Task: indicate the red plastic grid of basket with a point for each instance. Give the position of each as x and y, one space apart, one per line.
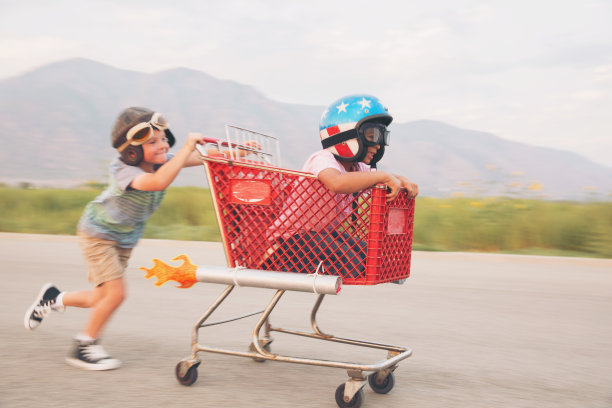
275 219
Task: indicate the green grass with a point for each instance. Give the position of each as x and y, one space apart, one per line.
44 211
185 213
514 226
458 224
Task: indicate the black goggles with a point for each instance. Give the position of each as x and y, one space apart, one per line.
373 134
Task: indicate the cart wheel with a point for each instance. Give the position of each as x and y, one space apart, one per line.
190 376
354 403
384 386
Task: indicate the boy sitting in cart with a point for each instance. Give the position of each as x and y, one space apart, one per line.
353 132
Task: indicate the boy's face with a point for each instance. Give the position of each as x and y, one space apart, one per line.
156 148
369 135
370 153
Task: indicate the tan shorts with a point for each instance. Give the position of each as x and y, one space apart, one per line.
106 261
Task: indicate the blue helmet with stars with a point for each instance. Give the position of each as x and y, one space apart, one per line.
340 124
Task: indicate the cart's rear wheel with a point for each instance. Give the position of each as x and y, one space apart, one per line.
190 376
354 403
381 387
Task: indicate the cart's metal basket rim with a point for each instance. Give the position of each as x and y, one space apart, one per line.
238 138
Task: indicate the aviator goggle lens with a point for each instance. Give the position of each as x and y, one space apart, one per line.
374 134
141 134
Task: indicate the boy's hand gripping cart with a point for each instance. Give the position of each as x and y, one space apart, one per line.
284 230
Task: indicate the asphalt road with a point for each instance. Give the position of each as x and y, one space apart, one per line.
486 330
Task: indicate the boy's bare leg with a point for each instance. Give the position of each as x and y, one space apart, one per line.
103 299
82 298
109 296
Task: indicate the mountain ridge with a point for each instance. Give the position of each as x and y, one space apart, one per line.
55 127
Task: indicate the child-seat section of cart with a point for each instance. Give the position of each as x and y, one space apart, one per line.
282 220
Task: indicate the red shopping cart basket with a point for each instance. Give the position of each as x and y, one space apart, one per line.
285 221
276 219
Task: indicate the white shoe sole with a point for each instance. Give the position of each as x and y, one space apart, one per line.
110 364
26 321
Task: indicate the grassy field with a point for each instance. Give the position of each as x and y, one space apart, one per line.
456 224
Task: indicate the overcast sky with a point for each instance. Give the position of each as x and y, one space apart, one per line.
538 72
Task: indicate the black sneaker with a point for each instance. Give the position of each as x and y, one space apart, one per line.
91 356
43 304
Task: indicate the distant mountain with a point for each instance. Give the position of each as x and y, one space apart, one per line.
55 130
447 159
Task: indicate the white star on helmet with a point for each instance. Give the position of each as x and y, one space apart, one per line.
342 107
365 103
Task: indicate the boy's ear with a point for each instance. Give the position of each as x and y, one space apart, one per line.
132 155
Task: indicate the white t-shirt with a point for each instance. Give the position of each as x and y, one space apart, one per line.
324 159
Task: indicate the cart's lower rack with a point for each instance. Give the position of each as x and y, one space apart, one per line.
348 394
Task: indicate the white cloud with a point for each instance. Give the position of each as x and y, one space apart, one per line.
589 95
603 73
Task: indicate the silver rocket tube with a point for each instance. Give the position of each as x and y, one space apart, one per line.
314 283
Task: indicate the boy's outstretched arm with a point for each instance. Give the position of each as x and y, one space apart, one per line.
165 175
352 182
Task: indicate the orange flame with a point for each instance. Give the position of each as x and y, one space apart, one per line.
184 274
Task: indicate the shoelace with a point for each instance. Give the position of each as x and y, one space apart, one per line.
44 308
95 352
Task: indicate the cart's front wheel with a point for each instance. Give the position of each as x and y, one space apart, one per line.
353 403
190 376
381 387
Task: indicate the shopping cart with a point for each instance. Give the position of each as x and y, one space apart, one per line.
283 230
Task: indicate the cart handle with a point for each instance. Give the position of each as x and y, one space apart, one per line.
223 143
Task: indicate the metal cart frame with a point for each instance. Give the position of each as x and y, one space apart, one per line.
381 380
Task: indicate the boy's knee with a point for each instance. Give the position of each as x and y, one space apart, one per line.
115 291
118 295
89 302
